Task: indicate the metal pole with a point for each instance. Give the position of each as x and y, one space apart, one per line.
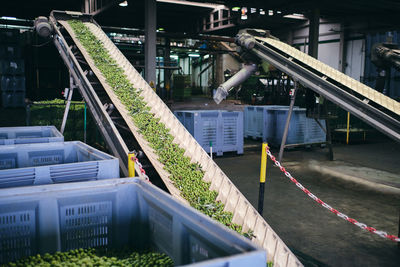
211 152
328 132
84 124
285 133
131 164
263 173
70 92
348 128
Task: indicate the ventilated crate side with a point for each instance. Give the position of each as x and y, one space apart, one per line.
314 133
221 129
114 214
29 134
297 127
11 99
34 164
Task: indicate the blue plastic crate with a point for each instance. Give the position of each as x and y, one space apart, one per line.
224 129
314 133
12 83
297 127
59 162
112 214
12 67
10 51
260 121
9 36
29 135
11 99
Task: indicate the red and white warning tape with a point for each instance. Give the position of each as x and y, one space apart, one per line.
323 204
142 171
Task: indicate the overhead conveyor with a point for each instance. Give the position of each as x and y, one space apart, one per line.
375 108
122 135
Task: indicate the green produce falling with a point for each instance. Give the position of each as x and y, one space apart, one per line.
96 257
187 176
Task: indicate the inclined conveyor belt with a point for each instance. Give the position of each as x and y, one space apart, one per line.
375 108
244 213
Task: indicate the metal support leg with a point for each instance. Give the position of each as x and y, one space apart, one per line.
328 134
70 92
285 133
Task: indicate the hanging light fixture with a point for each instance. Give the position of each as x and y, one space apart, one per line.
123 4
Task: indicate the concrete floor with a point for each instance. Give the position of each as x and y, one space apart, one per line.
316 236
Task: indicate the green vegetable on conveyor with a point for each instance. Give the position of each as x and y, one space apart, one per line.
96 257
187 176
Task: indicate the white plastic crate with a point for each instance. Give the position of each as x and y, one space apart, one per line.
29 135
59 162
112 214
222 129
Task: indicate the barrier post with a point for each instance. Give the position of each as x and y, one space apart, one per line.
348 128
131 164
263 172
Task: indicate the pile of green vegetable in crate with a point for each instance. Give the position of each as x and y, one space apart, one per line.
51 112
187 176
96 257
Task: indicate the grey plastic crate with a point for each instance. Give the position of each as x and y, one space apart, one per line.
29 135
34 164
112 214
260 121
12 83
11 99
223 128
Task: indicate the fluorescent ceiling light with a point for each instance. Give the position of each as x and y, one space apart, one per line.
174 56
235 8
206 56
295 16
194 55
124 4
9 18
192 3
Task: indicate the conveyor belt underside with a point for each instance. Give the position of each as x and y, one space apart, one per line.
336 75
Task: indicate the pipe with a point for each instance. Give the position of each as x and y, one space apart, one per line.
235 80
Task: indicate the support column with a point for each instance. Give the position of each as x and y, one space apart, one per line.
167 64
219 69
342 49
313 33
150 42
